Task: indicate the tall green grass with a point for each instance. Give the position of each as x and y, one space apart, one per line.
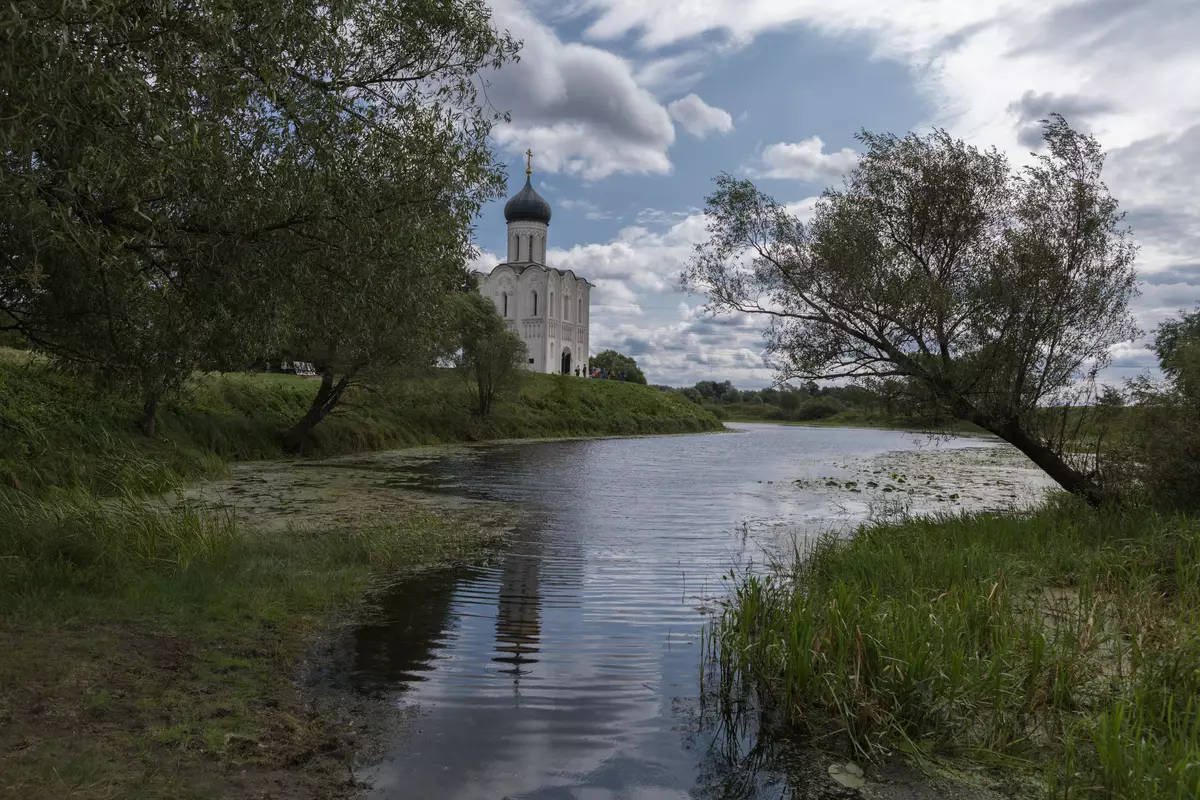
166 639
1065 638
59 431
64 553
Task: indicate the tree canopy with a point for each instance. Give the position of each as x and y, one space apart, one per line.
615 362
196 186
490 357
992 294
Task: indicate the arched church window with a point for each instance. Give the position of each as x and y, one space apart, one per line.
550 308
579 315
566 308
505 296
535 304
531 247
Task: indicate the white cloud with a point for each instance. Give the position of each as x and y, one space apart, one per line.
577 106
990 69
699 118
803 210
615 298
678 71
804 161
484 261
1124 71
639 309
648 260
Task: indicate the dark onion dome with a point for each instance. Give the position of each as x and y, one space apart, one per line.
527 206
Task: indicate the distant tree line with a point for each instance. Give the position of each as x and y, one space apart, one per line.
806 402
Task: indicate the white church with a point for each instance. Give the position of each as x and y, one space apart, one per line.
546 307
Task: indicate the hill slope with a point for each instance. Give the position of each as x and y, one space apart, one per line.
56 430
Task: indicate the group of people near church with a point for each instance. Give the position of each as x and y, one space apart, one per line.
603 373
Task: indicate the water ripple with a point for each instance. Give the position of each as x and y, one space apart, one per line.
570 668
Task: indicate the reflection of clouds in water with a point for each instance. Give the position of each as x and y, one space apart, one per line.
564 670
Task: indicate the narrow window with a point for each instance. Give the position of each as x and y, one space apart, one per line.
535 304
531 247
579 315
550 311
506 304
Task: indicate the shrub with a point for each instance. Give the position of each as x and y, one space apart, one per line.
818 408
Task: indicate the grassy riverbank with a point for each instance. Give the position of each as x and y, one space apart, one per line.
59 431
1061 645
150 652
153 650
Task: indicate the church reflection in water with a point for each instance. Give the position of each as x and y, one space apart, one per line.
518 616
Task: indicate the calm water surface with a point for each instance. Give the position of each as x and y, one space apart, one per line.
570 668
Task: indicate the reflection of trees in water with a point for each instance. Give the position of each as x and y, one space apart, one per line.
414 615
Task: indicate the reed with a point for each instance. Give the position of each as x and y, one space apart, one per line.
1064 638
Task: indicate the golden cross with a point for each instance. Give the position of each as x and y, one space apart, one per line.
529 162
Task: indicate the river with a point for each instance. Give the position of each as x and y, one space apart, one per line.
570 667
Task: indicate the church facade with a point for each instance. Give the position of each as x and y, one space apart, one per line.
548 308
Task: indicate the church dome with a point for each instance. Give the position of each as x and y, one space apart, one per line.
527 206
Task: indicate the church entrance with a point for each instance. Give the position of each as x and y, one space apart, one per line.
566 361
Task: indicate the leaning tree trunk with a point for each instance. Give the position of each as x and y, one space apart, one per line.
1051 462
327 399
148 422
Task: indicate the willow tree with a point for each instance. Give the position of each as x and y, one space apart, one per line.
490 358
178 176
1162 449
995 295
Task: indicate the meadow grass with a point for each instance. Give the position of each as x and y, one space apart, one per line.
1061 644
152 650
149 648
57 430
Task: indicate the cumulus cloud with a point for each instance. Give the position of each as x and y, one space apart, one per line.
990 70
803 210
699 118
483 261
615 297
578 106
804 161
981 64
646 259
638 309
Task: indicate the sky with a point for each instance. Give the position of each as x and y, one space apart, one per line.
631 107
